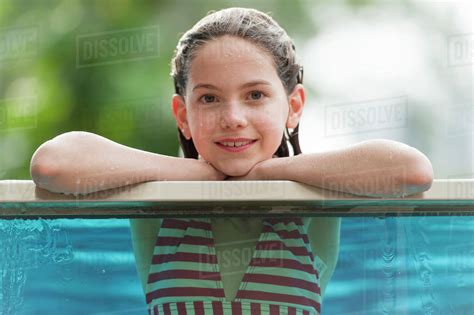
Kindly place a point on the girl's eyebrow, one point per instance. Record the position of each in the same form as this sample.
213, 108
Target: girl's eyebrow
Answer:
245, 85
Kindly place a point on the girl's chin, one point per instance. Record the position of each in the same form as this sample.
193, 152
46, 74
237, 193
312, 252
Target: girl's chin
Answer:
234, 172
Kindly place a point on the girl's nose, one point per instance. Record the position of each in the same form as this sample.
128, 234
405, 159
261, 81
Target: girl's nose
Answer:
233, 116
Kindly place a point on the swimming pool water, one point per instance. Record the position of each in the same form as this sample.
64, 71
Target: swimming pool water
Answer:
395, 265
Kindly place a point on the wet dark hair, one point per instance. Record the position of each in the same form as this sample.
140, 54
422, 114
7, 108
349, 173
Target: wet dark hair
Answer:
254, 26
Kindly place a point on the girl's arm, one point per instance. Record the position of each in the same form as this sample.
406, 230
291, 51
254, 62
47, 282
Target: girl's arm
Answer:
83, 162
378, 168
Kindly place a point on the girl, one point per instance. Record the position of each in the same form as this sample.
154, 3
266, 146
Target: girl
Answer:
238, 90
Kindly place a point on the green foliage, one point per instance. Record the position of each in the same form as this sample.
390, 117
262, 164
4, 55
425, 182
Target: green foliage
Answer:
126, 100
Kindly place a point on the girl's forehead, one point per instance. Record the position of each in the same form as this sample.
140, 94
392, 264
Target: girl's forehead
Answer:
231, 57
231, 45
228, 49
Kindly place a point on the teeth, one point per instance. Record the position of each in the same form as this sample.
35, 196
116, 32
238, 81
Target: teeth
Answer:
235, 144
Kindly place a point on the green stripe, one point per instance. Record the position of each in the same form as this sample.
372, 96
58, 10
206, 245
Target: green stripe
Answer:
173, 265
174, 299
182, 283
292, 242
274, 288
283, 254
284, 272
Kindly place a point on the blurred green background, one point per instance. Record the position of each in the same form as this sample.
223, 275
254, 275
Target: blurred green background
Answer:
353, 52
127, 101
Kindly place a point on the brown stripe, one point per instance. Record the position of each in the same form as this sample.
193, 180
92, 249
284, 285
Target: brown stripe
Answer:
278, 298
274, 309
184, 291
291, 310
217, 308
281, 280
191, 240
184, 256
255, 309
283, 263
198, 308
166, 309
236, 308
184, 224
184, 274
181, 306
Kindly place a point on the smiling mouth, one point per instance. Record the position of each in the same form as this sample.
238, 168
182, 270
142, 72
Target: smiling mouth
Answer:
236, 146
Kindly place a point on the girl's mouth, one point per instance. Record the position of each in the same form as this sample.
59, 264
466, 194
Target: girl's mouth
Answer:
235, 147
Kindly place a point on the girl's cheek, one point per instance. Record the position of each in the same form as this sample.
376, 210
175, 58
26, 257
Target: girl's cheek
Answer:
206, 118
269, 118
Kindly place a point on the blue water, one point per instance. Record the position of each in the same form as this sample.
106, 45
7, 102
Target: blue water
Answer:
406, 265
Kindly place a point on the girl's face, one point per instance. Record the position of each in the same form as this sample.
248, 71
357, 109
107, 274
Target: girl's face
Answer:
233, 92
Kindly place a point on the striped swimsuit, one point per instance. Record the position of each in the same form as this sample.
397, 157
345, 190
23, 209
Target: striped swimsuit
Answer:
281, 278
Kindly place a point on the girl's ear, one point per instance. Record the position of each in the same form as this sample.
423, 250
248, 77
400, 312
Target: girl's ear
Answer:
180, 115
296, 104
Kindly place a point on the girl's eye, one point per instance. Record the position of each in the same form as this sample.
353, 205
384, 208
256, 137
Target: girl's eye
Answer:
256, 95
208, 98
